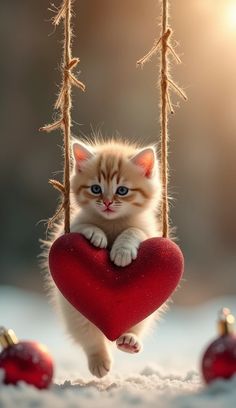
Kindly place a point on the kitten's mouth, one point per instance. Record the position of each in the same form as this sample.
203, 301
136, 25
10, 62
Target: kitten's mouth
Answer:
108, 210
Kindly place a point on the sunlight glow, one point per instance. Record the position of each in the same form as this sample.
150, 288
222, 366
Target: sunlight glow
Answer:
231, 15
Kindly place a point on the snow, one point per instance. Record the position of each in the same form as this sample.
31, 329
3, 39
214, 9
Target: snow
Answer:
166, 374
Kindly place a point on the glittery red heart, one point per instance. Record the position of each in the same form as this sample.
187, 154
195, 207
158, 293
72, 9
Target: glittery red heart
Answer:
115, 298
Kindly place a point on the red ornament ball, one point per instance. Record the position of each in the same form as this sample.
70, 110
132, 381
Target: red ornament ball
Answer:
219, 359
27, 361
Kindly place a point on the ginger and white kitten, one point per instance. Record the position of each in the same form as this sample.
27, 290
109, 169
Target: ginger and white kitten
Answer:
116, 192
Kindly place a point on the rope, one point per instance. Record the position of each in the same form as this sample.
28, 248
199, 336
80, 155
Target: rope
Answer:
63, 103
165, 82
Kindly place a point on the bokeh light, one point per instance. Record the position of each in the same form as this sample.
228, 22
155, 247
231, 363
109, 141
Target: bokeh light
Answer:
231, 15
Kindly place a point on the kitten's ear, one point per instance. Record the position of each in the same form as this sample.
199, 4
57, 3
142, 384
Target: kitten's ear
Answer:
146, 160
81, 154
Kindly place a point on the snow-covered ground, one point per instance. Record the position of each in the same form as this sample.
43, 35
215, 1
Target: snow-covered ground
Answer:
165, 374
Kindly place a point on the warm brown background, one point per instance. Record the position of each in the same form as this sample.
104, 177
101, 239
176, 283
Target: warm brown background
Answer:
109, 37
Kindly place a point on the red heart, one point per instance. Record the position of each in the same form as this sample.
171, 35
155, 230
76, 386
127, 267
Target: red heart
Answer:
112, 297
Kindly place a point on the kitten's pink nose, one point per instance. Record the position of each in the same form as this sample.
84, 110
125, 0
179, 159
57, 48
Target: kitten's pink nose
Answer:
107, 202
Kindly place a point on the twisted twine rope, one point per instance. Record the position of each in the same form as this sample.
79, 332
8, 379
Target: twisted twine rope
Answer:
63, 103
164, 46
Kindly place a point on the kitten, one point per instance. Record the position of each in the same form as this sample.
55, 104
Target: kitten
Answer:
116, 192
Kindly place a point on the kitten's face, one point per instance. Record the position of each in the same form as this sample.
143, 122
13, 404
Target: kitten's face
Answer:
112, 182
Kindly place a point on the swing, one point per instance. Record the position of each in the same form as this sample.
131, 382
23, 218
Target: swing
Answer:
111, 297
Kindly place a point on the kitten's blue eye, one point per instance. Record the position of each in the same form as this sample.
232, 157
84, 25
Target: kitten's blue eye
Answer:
96, 189
122, 190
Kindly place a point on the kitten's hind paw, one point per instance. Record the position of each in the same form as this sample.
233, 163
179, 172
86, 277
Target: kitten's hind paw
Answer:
129, 343
99, 365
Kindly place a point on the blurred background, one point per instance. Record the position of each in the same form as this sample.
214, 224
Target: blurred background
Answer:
110, 36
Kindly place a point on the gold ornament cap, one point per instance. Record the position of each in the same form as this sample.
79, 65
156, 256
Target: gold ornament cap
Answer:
225, 322
7, 337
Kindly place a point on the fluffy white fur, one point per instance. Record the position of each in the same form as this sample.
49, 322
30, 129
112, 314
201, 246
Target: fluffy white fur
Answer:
110, 220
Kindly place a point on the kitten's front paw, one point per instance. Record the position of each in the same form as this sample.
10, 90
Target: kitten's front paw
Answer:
95, 235
123, 256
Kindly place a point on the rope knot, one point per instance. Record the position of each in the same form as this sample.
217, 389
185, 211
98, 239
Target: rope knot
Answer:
72, 63
167, 34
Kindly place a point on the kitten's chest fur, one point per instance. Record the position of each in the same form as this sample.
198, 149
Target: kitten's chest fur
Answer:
112, 228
